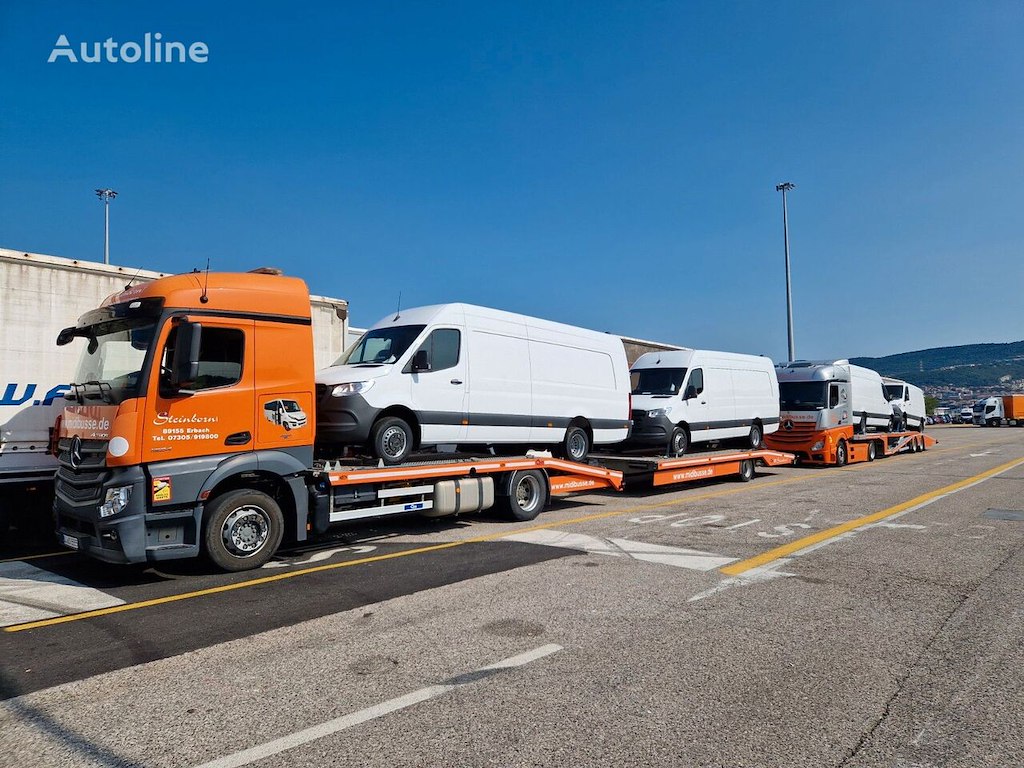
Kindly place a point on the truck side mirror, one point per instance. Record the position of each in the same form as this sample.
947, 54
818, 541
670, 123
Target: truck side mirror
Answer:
185, 364
420, 361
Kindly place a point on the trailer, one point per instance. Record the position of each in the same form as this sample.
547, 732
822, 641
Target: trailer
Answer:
659, 471
880, 444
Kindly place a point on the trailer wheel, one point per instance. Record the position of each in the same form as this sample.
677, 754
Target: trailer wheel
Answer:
576, 444
756, 437
746, 473
841, 456
527, 495
242, 529
872, 450
678, 442
392, 440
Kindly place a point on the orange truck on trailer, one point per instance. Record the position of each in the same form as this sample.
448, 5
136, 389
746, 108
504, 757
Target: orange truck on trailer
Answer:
173, 444
817, 417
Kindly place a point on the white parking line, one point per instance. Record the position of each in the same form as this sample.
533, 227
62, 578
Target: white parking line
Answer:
692, 559
28, 593
315, 732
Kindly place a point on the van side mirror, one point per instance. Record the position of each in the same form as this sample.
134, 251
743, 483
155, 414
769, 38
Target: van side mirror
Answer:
420, 361
185, 365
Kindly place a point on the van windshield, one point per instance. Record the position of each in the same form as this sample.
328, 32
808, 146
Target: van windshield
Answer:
657, 381
803, 395
381, 345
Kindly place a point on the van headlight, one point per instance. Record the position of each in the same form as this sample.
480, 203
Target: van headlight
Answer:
658, 412
116, 501
351, 388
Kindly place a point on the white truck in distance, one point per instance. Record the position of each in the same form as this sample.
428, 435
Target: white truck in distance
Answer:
42, 295
907, 404
695, 396
458, 373
988, 412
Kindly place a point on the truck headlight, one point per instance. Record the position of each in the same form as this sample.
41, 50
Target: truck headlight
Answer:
659, 412
116, 501
351, 388
818, 445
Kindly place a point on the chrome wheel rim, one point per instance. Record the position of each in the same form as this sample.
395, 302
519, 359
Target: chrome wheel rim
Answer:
527, 493
679, 443
577, 445
246, 530
394, 441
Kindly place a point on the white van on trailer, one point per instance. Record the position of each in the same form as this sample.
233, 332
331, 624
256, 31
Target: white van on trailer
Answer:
907, 403
869, 401
458, 373
695, 395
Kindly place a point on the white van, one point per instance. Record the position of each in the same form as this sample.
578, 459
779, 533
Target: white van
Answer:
693, 395
869, 400
457, 373
907, 404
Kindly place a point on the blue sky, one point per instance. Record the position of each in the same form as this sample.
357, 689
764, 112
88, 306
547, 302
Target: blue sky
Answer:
611, 165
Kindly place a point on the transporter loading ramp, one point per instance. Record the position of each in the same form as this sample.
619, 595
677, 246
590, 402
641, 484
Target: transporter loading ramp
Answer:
872, 445
660, 471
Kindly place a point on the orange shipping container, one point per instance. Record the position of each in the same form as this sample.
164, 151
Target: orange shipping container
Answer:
1013, 407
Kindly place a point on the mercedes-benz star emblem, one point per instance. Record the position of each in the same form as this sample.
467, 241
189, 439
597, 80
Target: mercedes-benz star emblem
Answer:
787, 425
75, 454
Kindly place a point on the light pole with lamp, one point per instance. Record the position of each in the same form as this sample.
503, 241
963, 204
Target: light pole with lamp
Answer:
784, 188
106, 195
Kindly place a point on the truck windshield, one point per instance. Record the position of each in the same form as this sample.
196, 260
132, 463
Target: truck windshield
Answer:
894, 391
803, 395
112, 363
979, 407
657, 381
381, 345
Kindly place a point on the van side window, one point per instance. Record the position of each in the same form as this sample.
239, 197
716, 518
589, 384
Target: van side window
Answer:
696, 381
442, 347
833, 396
220, 357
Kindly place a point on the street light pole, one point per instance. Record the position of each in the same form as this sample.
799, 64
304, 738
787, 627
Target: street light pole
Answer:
106, 195
784, 188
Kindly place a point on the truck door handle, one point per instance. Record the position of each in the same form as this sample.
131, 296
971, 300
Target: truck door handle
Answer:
456, 381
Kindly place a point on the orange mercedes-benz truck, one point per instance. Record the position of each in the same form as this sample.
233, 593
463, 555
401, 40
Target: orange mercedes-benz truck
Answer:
169, 439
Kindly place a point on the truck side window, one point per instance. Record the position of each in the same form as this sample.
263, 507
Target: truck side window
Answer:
442, 347
696, 381
833, 396
220, 357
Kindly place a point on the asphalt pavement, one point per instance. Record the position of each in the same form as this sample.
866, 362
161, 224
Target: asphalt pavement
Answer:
863, 616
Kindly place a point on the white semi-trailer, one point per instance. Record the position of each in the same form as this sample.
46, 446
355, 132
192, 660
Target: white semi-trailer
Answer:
42, 295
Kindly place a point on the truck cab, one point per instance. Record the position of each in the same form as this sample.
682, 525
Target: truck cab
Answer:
816, 416
988, 412
189, 388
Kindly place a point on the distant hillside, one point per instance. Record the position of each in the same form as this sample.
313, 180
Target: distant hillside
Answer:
970, 365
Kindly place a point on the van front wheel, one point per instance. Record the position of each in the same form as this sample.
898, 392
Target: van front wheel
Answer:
576, 445
678, 442
392, 440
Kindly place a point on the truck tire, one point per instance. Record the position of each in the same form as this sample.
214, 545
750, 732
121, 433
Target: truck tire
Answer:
527, 495
678, 442
576, 444
242, 529
841, 454
392, 440
746, 473
872, 450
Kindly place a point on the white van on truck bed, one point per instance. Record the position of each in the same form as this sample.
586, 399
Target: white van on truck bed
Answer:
907, 404
694, 395
458, 373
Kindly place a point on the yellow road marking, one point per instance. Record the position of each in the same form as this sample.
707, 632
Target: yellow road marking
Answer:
378, 558
38, 557
735, 569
